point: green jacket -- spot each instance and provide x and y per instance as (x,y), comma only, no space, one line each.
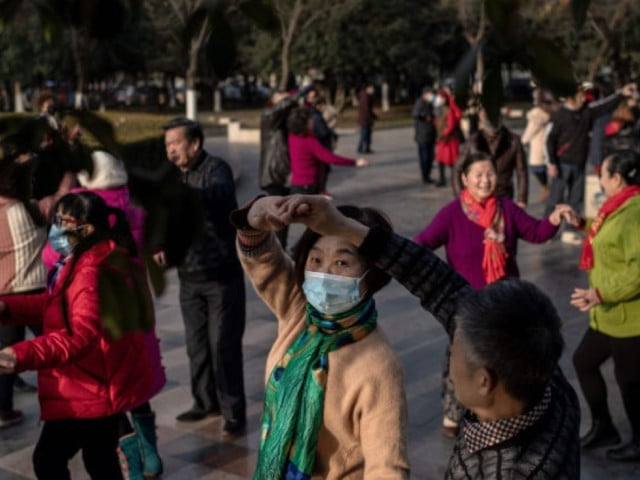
(616,272)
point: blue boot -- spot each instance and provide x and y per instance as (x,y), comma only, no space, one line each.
(145,425)
(129,457)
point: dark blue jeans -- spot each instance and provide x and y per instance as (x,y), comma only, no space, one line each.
(364,145)
(214,316)
(426,154)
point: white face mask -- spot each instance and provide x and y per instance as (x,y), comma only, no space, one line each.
(331,294)
(438,101)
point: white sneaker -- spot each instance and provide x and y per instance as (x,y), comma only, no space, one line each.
(572,238)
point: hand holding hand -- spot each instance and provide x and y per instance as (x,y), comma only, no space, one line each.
(566,213)
(320,214)
(585,299)
(7,360)
(266,214)
(552,171)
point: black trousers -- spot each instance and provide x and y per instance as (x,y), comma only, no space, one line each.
(214,317)
(60,440)
(593,350)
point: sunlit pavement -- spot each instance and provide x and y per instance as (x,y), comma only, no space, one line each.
(391,182)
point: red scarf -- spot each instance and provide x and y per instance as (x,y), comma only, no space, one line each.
(607,208)
(488,215)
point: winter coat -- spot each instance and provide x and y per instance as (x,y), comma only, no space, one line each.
(568,138)
(363,431)
(464,240)
(550,448)
(83,373)
(274,166)
(366,117)
(447,124)
(21,240)
(307,157)
(533,135)
(616,273)
(212,255)
(422,113)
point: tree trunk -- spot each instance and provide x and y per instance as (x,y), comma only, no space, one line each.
(385,96)
(17,98)
(78,63)
(480,67)
(284,59)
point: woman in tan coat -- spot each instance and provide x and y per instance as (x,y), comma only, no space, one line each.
(335,405)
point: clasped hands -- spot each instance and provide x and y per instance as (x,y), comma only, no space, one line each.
(566,213)
(315,211)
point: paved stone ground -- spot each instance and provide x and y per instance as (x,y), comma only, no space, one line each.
(391,183)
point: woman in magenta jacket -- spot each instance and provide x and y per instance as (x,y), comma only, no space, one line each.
(307,154)
(480,233)
(87,380)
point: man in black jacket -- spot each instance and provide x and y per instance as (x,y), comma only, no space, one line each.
(568,147)
(523,417)
(212,295)
(425,132)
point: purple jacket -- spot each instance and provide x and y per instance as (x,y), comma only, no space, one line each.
(464,240)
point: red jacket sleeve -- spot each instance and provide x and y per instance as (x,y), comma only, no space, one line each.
(56,346)
(327,156)
(25,309)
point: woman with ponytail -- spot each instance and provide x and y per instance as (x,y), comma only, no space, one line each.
(611,256)
(335,404)
(87,379)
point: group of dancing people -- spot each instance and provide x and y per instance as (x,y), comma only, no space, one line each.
(334,403)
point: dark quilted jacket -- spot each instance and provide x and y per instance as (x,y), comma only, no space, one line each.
(547,450)
(212,255)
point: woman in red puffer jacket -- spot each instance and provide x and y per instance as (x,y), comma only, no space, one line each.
(87,379)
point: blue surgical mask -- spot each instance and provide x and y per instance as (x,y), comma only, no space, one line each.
(331,294)
(59,240)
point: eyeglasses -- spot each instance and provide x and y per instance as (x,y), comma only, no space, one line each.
(68,222)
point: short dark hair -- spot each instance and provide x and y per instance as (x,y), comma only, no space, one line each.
(512,329)
(298,121)
(375,278)
(627,164)
(192,129)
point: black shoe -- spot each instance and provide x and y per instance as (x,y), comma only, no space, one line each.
(602,434)
(234,428)
(20,386)
(368,151)
(197,414)
(441,183)
(428,180)
(629,452)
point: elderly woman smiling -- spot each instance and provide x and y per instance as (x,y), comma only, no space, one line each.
(480,233)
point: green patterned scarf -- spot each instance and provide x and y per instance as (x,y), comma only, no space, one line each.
(294,396)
